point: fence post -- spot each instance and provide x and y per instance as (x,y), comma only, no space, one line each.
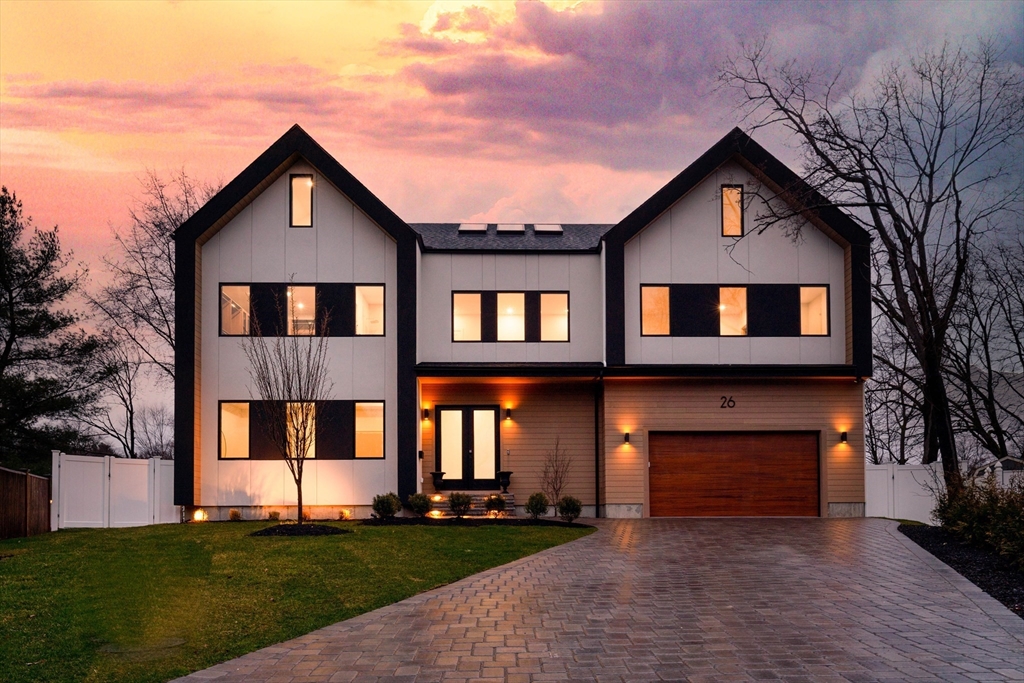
(28,507)
(55,491)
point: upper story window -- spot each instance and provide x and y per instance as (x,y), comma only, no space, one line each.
(369,310)
(466,316)
(732,311)
(234,310)
(554,317)
(301,311)
(732,210)
(301,201)
(510,316)
(814,311)
(654,313)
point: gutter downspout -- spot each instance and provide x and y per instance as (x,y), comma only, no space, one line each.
(598,396)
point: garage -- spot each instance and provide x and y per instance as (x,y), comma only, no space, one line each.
(724,474)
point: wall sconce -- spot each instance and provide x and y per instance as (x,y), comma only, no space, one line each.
(426,413)
(843,437)
(626,438)
(508,413)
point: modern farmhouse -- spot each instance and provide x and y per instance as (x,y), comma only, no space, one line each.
(687,362)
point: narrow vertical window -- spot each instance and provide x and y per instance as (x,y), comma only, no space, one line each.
(301,311)
(732,210)
(465,317)
(302,429)
(234,430)
(302,201)
(234,310)
(511,316)
(554,317)
(654,311)
(369,310)
(814,311)
(370,430)
(732,311)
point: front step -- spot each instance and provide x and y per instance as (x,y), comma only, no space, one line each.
(478,507)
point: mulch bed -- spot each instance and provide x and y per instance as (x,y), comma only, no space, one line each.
(301,530)
(470,521)
(981,566)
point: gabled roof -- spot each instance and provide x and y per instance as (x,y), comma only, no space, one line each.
(294,145)
(759,161)
(574,237)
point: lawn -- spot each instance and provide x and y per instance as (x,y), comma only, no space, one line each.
(152,603)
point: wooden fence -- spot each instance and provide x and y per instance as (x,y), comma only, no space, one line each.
(24,504)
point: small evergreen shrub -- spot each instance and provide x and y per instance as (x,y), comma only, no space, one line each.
(569,508)
(234,515)
(987,514)
(274,516)
(420,504)
(537,505)
(495,503)
(459,504)
(386,505)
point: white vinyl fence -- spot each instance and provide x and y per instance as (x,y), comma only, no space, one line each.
(104,491)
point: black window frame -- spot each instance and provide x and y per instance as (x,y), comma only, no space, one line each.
(641,294)
(828,312)
(317,324)
(220,412)
(220,309)
(568,316)
(355,310)
(721,210)
(384,436)
(746,304)
(291,199)
(489,316)
(451,323)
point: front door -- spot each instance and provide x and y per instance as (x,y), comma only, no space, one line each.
(467,447)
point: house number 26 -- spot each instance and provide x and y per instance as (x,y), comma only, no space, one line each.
(727,402)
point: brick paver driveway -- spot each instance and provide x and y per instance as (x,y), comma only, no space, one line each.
(678,599)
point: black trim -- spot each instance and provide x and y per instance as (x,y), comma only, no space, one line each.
(694,311)
(335,430)
(384,443)
(773,310)
(509,369)
(408,412)
(531,315)
(338,303)
(733,371)
(220,428)
(468,439)
(291,199)
(268,302)
(489,316)
(721,210)
(260,445)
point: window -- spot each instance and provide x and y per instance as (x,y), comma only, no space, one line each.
(554,317)
(465,317)
(369,310)
(301,311)
(234,430)
(732,311)
(370,430)
(814,311)
(302,428)
(511,316)
(732,210)
(234,310)
(302,201)
(654,317)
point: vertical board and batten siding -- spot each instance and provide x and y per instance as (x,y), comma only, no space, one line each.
(540,414)
(257,245)
(579,274)
(643,406)
(684,246)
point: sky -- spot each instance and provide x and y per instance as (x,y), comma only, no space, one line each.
(556,111)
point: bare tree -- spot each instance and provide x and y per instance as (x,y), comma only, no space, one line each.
(290,377)
(155,432)
(118,366)
(892,402)
(925,161)
(139,301)
(557,465)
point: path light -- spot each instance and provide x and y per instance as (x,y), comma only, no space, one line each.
(437,498)
(843,437)
(200,515)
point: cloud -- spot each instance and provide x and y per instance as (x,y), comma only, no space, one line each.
(50,150)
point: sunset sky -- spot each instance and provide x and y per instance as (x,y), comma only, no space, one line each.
(460,110)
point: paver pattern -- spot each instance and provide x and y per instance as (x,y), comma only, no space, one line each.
(677,600)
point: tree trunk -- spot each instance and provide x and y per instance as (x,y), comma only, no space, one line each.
(298,485)
(941,423)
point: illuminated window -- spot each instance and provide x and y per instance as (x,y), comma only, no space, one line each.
(302,201)
(554,317)
(732,311)
(234,430)
(511,316)
(654,315)
(234,310)
(466,317)
(369,310)
(301,311)
(302,429)
(814,310)
(370,430)
(732,210)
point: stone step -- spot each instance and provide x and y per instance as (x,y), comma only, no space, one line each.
(478,507)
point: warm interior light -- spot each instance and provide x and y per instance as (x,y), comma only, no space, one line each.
(200,515)
(309,182)
(721,307)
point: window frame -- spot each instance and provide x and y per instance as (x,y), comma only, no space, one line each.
(316,310)
(828,312)
(220,413)
(498,293)
(451,321)
(527,294)
(641,296)
(384,430)
(220,311)
(540,314)
(721,210)
(291,199)
(355,310)
(746,311)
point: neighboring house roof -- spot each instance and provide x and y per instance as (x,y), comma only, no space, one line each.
(1011,463)
(573,237)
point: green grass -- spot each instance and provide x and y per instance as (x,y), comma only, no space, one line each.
(152,603)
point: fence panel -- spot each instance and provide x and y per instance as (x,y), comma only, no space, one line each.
(24,504)
(164,509)
(82,484)
(129,492)
(878,491)
(914,488)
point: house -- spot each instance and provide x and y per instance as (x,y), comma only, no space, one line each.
(687,363)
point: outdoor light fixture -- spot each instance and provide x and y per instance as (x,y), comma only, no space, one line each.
(508,413)
(626,440)
(842,437)
(426,413)
(437,498)
(200,515)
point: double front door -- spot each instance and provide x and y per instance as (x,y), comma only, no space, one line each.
(467,449)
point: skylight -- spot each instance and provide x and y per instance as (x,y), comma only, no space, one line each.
(510,228)
(472,227)
(547,228)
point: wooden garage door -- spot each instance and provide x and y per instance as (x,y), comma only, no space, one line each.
(734,474)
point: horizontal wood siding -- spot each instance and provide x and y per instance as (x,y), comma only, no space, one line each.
(640,406)
(540,414)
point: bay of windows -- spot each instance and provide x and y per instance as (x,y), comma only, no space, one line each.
(327,309)
(491,316)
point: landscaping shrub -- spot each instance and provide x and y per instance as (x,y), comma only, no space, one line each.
(495,503)
(537,505)
(420,504)
(234,515)
(386,505)
(274,516)
(569,508)
(987,514)
(459,504)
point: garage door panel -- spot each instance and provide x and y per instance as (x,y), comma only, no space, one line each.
(734,474)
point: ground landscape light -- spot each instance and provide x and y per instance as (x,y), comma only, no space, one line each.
(200,515)
(437,498)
